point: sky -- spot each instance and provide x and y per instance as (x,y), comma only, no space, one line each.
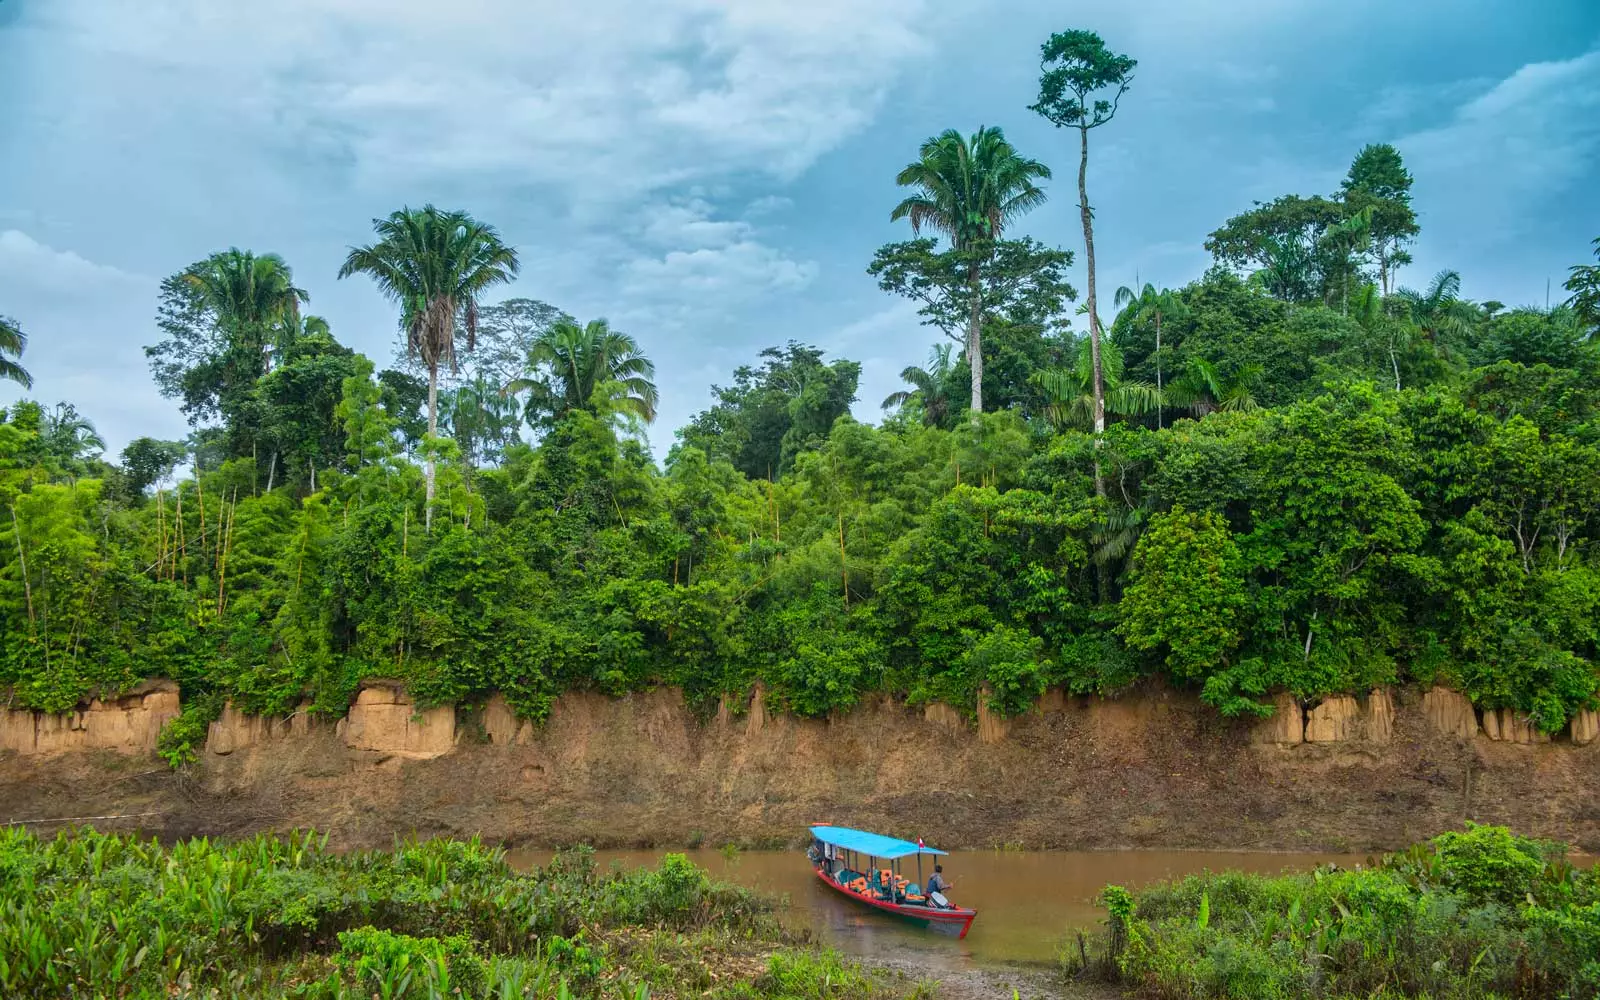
(713,176)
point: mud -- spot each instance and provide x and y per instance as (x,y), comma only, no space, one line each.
(1153,770)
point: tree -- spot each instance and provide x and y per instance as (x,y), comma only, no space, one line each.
(1152,305)
(1583,282)
(1282,242)
(1070,393)
(434,264)
(1204,389)
(1022,292)
(1378,181)
(969,191)
(68,436)
(1187,595)
(146,461)
(405,400)
(567,363)
(254,299)
(1436,311)
(296,405)
(1343,246)
(225,318)
(482,418)
(769,415)
(1075,66)
(929,387)
(12,343)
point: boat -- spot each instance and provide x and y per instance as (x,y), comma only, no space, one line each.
(847,861)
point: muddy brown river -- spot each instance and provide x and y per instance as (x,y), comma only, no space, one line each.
(1028,902)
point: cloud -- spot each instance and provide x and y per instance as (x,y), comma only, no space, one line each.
(604,99)
(28,267)
(1525,140)
(713,276)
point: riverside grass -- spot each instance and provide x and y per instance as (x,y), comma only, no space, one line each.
(1479,913)
(101,915)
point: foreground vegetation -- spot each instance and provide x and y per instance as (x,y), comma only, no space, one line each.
(91,915)
(1472,914)
(1291,473)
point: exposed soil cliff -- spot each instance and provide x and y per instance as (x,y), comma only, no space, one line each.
(1155,769)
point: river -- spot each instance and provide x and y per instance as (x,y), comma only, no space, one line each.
(1028,902)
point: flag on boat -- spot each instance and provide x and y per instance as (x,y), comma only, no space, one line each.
(920,843)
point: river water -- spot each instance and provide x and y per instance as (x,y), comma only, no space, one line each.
(1028,902)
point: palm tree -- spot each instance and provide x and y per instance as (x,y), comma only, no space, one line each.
(68,435)
(928,387)
(481,418)
(1437,310)
(969,190)
(1069,392)
(1204,389)
(253,298)
(12,343)
(434,264)
(567,363)
(1153,305)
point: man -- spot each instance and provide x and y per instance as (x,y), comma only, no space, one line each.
(936,882)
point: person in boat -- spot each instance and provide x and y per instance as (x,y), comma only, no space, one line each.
(936,881)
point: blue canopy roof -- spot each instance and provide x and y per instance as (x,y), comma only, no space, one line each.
(873,845)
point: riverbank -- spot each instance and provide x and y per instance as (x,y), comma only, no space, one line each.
(1153,770)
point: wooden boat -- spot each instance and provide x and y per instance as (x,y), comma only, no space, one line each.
(847,861)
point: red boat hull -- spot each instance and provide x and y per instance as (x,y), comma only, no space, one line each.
(954,920)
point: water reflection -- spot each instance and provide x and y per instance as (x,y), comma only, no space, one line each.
(1028,902)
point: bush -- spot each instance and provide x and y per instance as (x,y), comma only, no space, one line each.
(1470,913)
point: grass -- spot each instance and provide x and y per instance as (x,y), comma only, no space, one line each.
(1472,914)
(95,915)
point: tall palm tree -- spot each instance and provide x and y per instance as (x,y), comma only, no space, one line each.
(254,299)
(1204,389)
(927,387)
(969,190)
(1437,310)
(434,264)
(12,343)
(1069,392)
(1153,305)
(567,363)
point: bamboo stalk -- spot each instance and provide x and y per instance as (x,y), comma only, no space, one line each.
(200,492)
(22,563)
(161,534)
(844,567)
(226,544)
(183,542)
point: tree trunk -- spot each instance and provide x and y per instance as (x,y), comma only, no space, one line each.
(975,341)
(1159,400)
(1094,313)
(272,470)
(433,431)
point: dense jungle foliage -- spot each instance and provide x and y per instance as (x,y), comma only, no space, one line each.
(1292,473)
(92,915)
(1470,914)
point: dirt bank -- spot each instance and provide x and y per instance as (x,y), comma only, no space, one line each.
(1154,769)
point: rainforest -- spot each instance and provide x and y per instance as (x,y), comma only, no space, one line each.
(1294,473)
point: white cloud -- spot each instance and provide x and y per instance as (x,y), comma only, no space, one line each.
(30,269)
(1526,139)
(714,276)
(767,205)
(688,225)
(605,99)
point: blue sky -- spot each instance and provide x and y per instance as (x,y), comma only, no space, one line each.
(714,175)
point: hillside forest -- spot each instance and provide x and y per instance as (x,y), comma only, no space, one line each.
(1308,469)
